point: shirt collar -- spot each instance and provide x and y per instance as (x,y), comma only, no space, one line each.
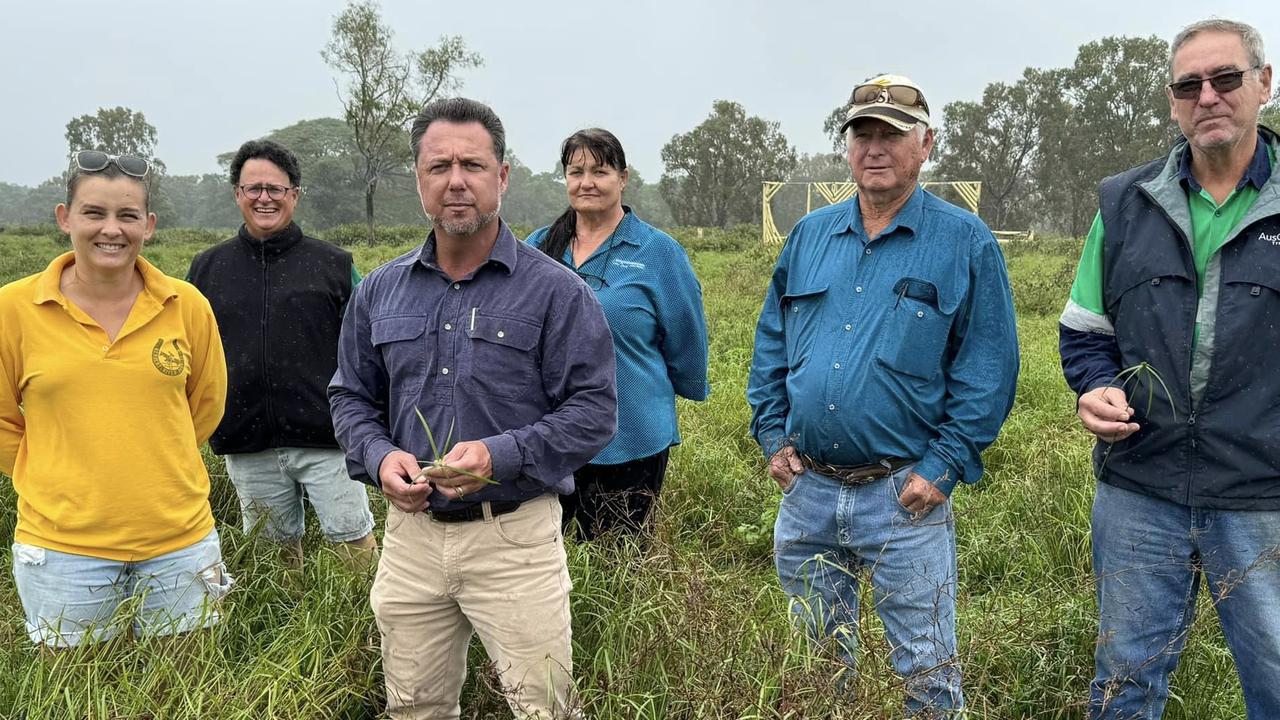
(909,217)
(1257,174)
(49,288)
(628,230)
(503,252)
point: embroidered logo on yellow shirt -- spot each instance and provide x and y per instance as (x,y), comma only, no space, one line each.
(169,363)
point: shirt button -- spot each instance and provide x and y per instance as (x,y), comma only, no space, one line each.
(448,326)
(501,334)
(457,286)
(837,366)
(444,371)
(919,313)
(1217,213)
(835,446)
(848,327)
(868,251)
(831,407)
(795,308)
(105,348)
(858,289)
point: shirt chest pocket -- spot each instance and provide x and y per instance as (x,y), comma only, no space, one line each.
(503,356)
(917,328)
(801,312)
(399,341)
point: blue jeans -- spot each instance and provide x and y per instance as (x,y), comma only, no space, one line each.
(829,533)
(1148,557)
(71,599)
(272,484)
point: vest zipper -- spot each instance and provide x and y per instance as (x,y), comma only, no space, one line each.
(266,368)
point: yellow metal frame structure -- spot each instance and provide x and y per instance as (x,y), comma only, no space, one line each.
(834,192)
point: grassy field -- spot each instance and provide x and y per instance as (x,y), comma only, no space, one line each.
(692,627)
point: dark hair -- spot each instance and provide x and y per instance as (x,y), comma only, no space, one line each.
(274,153)
(75,175)
(460,111)
(605,147)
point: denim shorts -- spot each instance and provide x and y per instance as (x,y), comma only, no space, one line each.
(72,599)
(272,485)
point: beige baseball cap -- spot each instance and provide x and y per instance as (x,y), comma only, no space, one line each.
(895,99)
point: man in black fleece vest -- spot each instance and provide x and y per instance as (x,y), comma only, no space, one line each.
(279,297)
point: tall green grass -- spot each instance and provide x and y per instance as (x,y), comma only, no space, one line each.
(692,626)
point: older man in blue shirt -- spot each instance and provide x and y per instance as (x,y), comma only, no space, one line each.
(507,351)
(885,362)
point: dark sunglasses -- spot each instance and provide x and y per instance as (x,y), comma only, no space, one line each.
(897,94)
(1223,82)
(97,161)
(253,192)
(596,282)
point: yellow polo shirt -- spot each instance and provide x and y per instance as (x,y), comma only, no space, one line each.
(102,439)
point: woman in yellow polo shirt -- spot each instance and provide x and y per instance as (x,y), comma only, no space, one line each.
(111,377)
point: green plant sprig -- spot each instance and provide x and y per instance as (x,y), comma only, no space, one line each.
(439,451)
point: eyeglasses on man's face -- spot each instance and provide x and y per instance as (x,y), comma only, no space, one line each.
(1223,82)
(253,192)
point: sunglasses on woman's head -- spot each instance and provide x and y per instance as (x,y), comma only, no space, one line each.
(97,161)
(1223,82)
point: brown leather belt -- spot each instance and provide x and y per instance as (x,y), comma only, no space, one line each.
(856,474)
(474,512)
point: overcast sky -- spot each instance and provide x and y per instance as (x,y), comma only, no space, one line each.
(210,75)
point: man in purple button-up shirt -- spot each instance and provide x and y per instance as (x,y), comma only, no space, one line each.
(489,337)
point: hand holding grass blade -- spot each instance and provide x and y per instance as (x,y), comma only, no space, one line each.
(455,470)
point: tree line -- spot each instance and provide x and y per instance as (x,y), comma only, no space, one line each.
(1039,145)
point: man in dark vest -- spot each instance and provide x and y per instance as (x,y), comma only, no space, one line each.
(1177,299)
(279,297)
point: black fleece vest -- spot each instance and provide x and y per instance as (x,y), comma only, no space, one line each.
(279,306)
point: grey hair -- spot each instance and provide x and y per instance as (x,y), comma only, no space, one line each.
(1249,37)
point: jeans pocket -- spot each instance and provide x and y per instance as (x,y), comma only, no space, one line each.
(795,480)
(30,555)
(217,581)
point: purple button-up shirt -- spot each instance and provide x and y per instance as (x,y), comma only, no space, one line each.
(517,355)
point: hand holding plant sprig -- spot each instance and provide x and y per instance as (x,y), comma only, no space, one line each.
(1106,411)
(458,470)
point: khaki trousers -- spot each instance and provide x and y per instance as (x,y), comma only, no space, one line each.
(505,577)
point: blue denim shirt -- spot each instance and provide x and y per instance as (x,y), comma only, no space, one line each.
(517,355)
(902,346)
(653,303)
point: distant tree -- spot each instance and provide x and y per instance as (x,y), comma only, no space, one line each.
(1271,113)
(714,171)
(831,126)
(996,140)
(204,201)
(384,89)
(533,199)
(645,198)
(118,130)
(1119,118)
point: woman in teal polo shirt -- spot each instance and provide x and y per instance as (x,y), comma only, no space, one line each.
(653,303)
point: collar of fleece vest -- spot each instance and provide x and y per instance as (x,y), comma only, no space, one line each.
(274,246)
